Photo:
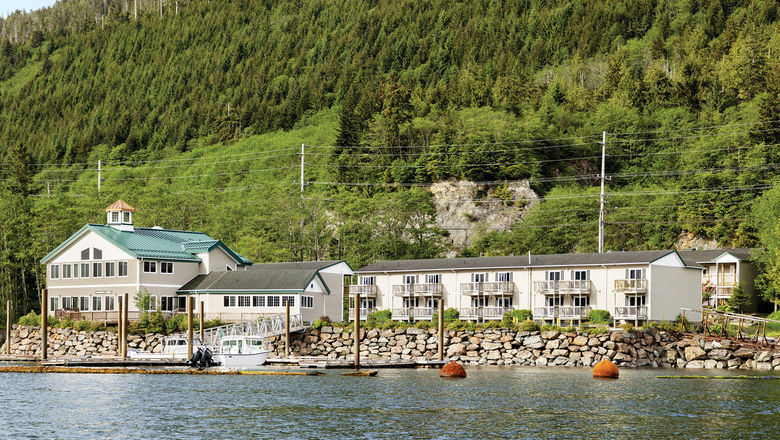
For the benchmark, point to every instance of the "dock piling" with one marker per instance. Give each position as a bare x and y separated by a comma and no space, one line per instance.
8,319
287,329
119,328
202,323
441,329
44,325
190,301
356,331
125,324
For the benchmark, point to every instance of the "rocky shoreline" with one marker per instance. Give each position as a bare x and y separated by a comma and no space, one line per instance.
640,349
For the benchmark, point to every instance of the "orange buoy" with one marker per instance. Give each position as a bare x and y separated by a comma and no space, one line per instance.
453,369
606,370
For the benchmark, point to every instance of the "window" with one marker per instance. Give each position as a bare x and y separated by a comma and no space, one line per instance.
579,275
123,268
54,303
478,277
109,303
182,302
634,274
244,301
150,267
504,277
366,303
553,275
84,270
580,301
369,280
110,269
258,301
228,301
67,302
411,302
66,271
97,254
307,302
167,303
636,301
54,271
125,217
552,301
479,301
273,301
432,303
288,299
75,271
410,279
85,254
433,278
227,267
97,270
115,217
84,303
97,303
504,301
166,267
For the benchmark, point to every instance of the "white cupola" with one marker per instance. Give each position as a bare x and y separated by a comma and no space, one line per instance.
119,215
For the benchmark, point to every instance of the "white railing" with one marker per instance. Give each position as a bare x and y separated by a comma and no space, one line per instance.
631,312
721,279
484,312
493,287
363,290
413,313
562,286
264,328
563,312
364,312
425,289
631,285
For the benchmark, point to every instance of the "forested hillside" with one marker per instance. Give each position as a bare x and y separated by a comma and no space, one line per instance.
198,110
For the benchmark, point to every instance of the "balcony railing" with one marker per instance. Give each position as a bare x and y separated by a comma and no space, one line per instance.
364,312
413,313
488,288
565,286
484,312
631,285
631,312
425,289
363,290
563,312
721,279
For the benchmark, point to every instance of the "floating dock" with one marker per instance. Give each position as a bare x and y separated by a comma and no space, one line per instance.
189,371
325,363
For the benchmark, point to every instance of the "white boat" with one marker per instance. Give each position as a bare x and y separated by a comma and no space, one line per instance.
240,351
174,347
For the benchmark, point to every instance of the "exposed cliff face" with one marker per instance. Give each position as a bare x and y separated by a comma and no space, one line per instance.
692,241
462,206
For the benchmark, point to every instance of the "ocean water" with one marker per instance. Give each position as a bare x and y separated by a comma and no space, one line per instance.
492,402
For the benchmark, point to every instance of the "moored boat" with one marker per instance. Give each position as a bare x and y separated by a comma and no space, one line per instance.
240,352
174,347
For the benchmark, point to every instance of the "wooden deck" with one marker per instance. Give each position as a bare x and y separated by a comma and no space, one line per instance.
325,363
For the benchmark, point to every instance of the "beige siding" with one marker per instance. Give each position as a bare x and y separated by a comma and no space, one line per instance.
671,289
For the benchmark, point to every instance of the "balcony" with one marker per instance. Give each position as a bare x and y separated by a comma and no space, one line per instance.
721,279
364,312
563,312
631,286
484,312
631,312
568,286
488,288
367,291
413,313
426,289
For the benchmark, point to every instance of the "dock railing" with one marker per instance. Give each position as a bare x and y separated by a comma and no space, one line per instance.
715,323
263,328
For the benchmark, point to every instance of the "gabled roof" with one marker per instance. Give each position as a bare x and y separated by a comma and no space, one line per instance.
709,256
293,281
149,243
549,260
201,246
119,205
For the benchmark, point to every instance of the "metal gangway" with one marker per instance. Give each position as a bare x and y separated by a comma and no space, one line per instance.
273,325
715,322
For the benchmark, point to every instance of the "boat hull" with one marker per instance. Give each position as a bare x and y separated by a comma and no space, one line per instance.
240,360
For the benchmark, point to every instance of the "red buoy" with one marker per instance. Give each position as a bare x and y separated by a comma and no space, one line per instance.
606,370
453,369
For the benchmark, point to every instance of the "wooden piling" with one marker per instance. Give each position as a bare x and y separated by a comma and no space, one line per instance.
287,329
202,323
120,331
356,331
8,320
190,305
739,329
441,329
44,325
125,324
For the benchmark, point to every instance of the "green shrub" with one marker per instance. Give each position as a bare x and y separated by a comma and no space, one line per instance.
776,317
53,321
521,315
216,322
461,325
95,326
548,327
425,324
726,308
451,314
629,328
600,330
679,319
65,323
493,324
82,325
318,324
176,324
529,326
380,316
598,316
30,319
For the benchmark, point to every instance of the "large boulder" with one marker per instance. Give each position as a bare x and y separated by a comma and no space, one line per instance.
693,353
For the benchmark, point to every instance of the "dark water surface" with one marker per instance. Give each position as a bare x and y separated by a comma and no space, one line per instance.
491,403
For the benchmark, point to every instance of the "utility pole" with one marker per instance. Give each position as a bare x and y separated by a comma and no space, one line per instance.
303,146
135,9
601,197
100,177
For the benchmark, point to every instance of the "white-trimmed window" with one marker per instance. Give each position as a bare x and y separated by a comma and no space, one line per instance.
97,270
307,302
167,303
125,217
110,267
553,275
258,301
109,305
552,301
97,254
636,301
409,303
166,267
504,301
228,301
479,277
54,303
505,277
410,279
85,254
367,280
635,274
84,303
67,302
54,271
368,303
150,267
288,299
84,270
433,278
122,268
273,301
97,303
75,270
580,301
66,271
580,275
432,303
479,301
244,301
114,216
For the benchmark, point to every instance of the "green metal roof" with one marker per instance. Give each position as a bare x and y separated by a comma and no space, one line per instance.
154,243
